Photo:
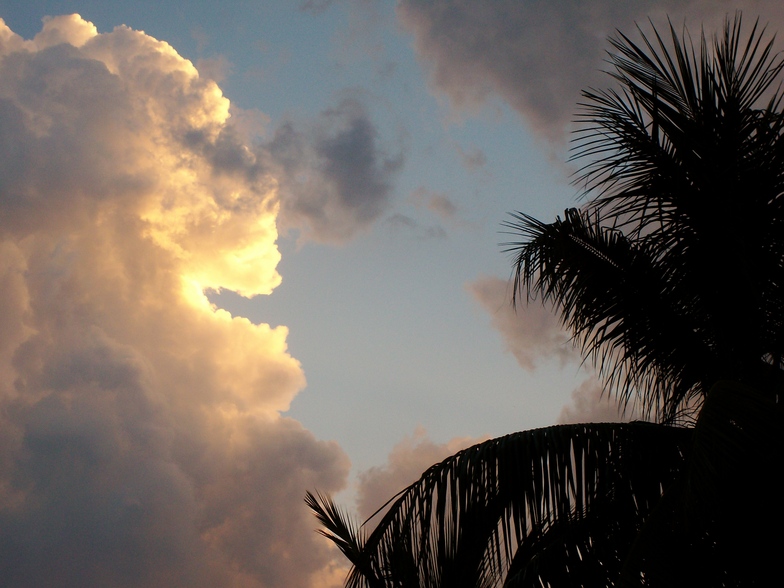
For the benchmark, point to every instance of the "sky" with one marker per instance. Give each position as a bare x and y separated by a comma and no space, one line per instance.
250,249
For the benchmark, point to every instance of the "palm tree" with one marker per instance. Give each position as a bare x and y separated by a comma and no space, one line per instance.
670,278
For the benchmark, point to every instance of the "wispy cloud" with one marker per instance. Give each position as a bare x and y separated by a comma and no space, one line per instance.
405,464
142,442
589,404
436,202
473,159
532,332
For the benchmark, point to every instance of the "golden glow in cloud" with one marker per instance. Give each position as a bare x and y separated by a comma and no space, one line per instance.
141,436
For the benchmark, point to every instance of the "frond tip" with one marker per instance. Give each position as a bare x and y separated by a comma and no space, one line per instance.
337,525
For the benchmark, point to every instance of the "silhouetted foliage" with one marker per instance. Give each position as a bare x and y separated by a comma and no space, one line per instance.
670,278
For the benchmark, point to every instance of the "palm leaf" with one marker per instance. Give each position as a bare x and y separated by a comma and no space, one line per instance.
671,280
490,509
685,167
348,537
716,526
683,152
614,297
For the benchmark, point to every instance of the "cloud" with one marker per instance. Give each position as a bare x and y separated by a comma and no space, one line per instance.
405,464
315,7
215,68
472,159
335,179
442,206
532,332
141,437
436,202
538,55
589,404
331,180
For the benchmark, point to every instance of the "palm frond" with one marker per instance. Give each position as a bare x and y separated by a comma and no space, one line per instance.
671,279
347,536
714,525
615,298
491,508
685,174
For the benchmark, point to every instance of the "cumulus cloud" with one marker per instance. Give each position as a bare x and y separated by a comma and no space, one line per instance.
332,179
539,54
141,436
405,464
531,332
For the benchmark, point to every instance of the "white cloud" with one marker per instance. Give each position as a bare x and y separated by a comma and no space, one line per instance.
142,442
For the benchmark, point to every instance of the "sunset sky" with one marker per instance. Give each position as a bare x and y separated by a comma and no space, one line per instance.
249,249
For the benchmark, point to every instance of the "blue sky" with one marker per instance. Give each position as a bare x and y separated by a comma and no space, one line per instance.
355,197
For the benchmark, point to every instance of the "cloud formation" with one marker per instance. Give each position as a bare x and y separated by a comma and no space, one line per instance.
331,177
531,332
539,54
589,404
142,442
436,202
405,464
334,178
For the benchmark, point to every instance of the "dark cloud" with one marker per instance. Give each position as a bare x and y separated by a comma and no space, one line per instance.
399,221
331,177
538,55
532,332
335,179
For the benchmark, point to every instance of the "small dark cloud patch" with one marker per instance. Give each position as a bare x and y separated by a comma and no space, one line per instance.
473,159
335,179
397,222
436,202
315,7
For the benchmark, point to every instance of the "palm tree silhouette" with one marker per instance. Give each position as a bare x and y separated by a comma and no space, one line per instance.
670,278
